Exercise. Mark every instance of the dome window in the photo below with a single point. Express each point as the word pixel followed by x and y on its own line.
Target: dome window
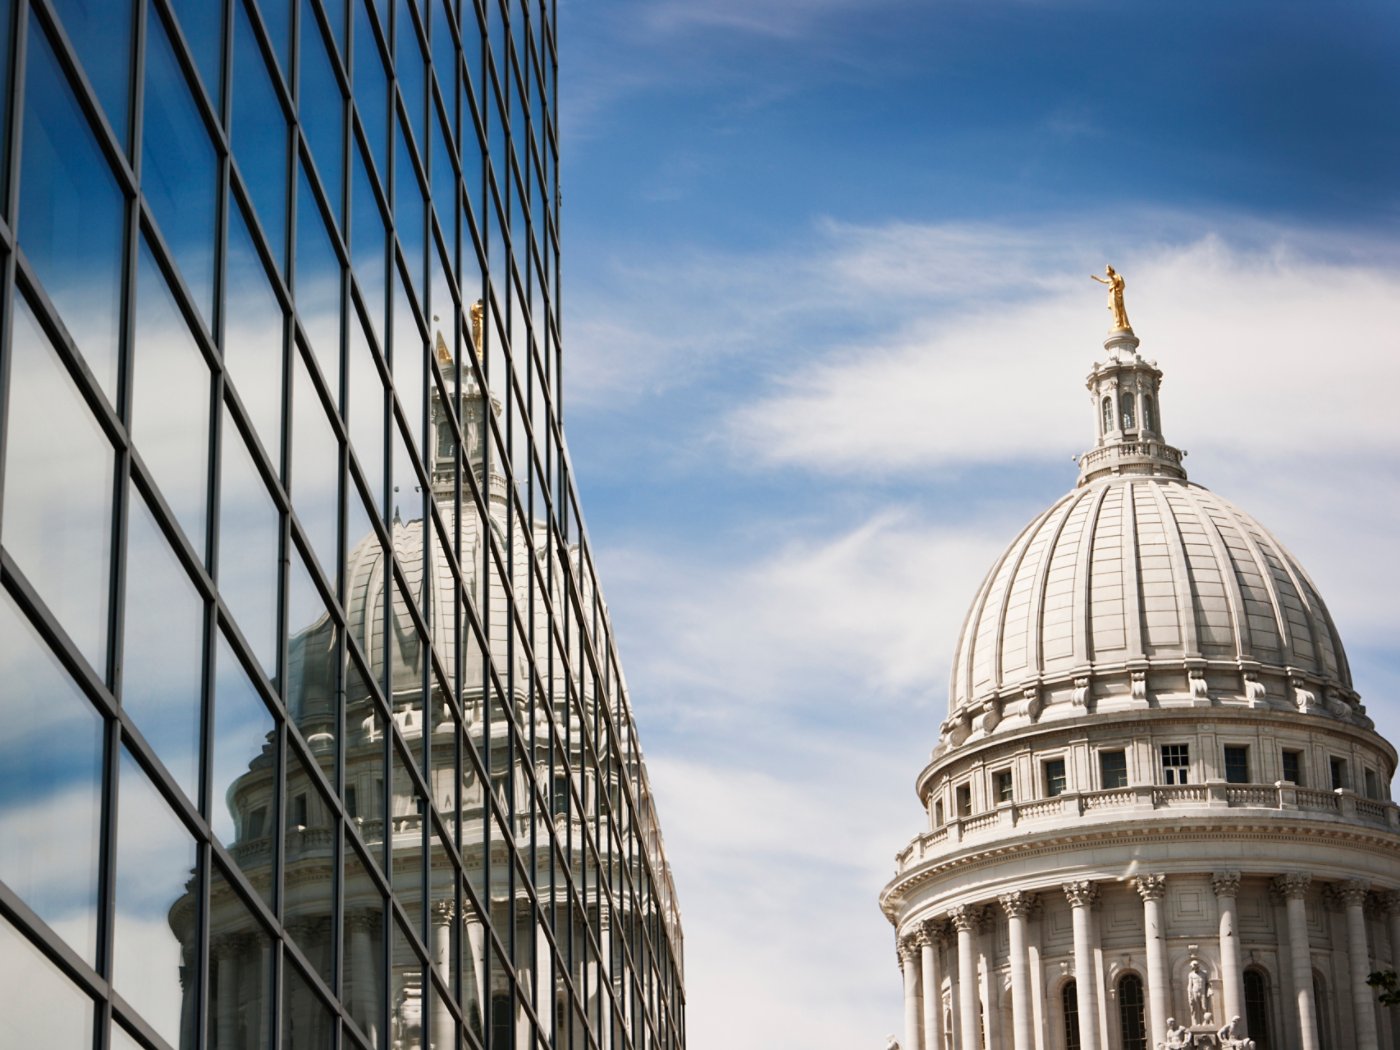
pixel 1132 1022
pixel 1069 1003
pixel 1236 765
pixel 1055 780
pixel 1126 402
pixel 1338 768
pixel 1149 414
pixel 1176 763
pixel 1293 767
pixel 1001 786
pixel 964 797
pixel 1113 770
pixel 1256 1006
pixel 1107 414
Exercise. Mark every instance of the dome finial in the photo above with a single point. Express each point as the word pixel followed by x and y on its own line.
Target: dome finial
pixel 1115 282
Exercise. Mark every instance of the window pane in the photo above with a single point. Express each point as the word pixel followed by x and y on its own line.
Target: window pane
pixel 322 108
pixel 101 34
pixel 1237 765
pixel 315 471
pixel 178 173
pixel 170 401
pixel 371 88
pixel 202 22
pixel 367 245
pixel 163 645
pixel 39 1006
pixel 67 196
pixel 58 490
pixel 240 973
pixel 250 532
pixel 366 416
pixel 50 786
pixel 407 362
pixel 155 897
pixel 253 335
pixel 313 656
pixel 318 286
pixel 1113 769
pixel 259 132
pixel 1055 782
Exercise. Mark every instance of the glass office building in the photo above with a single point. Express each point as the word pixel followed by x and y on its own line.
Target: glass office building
pixel 314 733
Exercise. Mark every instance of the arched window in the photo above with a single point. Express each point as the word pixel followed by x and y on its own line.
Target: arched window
pixel 1256 1007
pixel 1324 1012
pixel 1132 1024
pixel 1107 414
pixel 1126 403
pixel 1149 414
pixel 1069 1000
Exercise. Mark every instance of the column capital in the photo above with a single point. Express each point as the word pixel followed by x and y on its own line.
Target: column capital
pixel 1151 887
pixel 1017 905
pixel 1352 892
pixel 908 948
pixel 966 918
pixel 1226 883
pixel 363 920
pixel 1082 893
pixel 1388 901
pixel 1293 885
pixel 443 912
pixel 936 930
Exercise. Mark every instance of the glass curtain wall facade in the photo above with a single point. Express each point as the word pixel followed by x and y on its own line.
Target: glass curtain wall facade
pixel 314 729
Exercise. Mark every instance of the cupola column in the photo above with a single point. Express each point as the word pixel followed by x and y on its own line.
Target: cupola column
pixel 1081 896
pixel 967 920
pixel 1152 888
pixel 1352 893
pixel 1017 907
pixel 1294 889
pixel 931 937
pixel 909 954
pixel 1227 887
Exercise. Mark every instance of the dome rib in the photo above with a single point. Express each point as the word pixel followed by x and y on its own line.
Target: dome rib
pixel 1261 565
pixel 1083 637
pixel 1239 622
pixel 1183 583
pixel 1035 613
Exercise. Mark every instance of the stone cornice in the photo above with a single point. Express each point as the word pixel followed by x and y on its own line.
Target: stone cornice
pixel 1210 829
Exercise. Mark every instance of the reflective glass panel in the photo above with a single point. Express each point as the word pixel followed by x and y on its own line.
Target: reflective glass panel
pixel 202 22
pixel 318 286
pixel 409 67
pixel 50 786
pixel 240 972
pixel 67 196
pixel 58 490
pixel 178 174
pixel 367 245
pixel 371 88
pixel 310 848
pixel 409 211
pixel 408 355
pixel 250 532
pixel 306 1022
pixel 101 34
pixel 39 1006
pixel 259 133
pixel 253 323
pixel 163 642
pixel 364 946
pixel 366 414
pixel 313 658
pixel 322 108
pixel 315 471
pixel 156 901
pixel 170 401
pixel 277 18
pixel 245 771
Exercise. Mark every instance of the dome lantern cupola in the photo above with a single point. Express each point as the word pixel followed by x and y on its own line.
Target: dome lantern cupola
pixel 1127 411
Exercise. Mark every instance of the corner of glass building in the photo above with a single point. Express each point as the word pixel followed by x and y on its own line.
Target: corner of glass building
pixel 316 730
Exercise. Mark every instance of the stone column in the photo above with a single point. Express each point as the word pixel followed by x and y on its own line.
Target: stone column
pixel 1352 893
pixel 364 1006
pixel 1017 906
pixel 475 993
pixel 226 950
pixel 443 1029
pixel 1082 895
pixel 910 951
pixel 1227 888
pixel 931 936
pixel 1152 889
pixel 1294 889
pixel 1390 904
pixel 967 919
pixel 988 981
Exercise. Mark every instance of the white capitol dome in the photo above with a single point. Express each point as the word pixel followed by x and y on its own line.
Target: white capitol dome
pixel 1157 802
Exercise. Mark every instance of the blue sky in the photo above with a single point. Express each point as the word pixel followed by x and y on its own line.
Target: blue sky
pixel 827 318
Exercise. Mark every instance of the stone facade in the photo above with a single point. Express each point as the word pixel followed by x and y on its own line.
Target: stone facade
pixel 1157 800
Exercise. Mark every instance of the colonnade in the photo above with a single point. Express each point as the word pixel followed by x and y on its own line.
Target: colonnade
pixel 967 928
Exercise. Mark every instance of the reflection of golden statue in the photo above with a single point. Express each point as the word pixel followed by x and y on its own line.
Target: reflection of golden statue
pixel 478 311
pixel 1114 280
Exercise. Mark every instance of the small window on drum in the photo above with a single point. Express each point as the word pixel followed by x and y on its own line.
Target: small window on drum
pixel 1055 780
pixel 1001 786
pixel 1126 402
pixel 1107 414
pixel 1113 769
pixel 963 794
pixel 1149 414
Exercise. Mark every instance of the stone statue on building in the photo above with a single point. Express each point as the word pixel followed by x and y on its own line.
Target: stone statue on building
pixel 891 1043
pixel 1198 995
pixel 1229 1040
pixel 1114 280
pixel 1178 1037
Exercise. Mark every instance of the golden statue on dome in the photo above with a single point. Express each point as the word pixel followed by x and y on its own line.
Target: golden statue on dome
pixel 1114 280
